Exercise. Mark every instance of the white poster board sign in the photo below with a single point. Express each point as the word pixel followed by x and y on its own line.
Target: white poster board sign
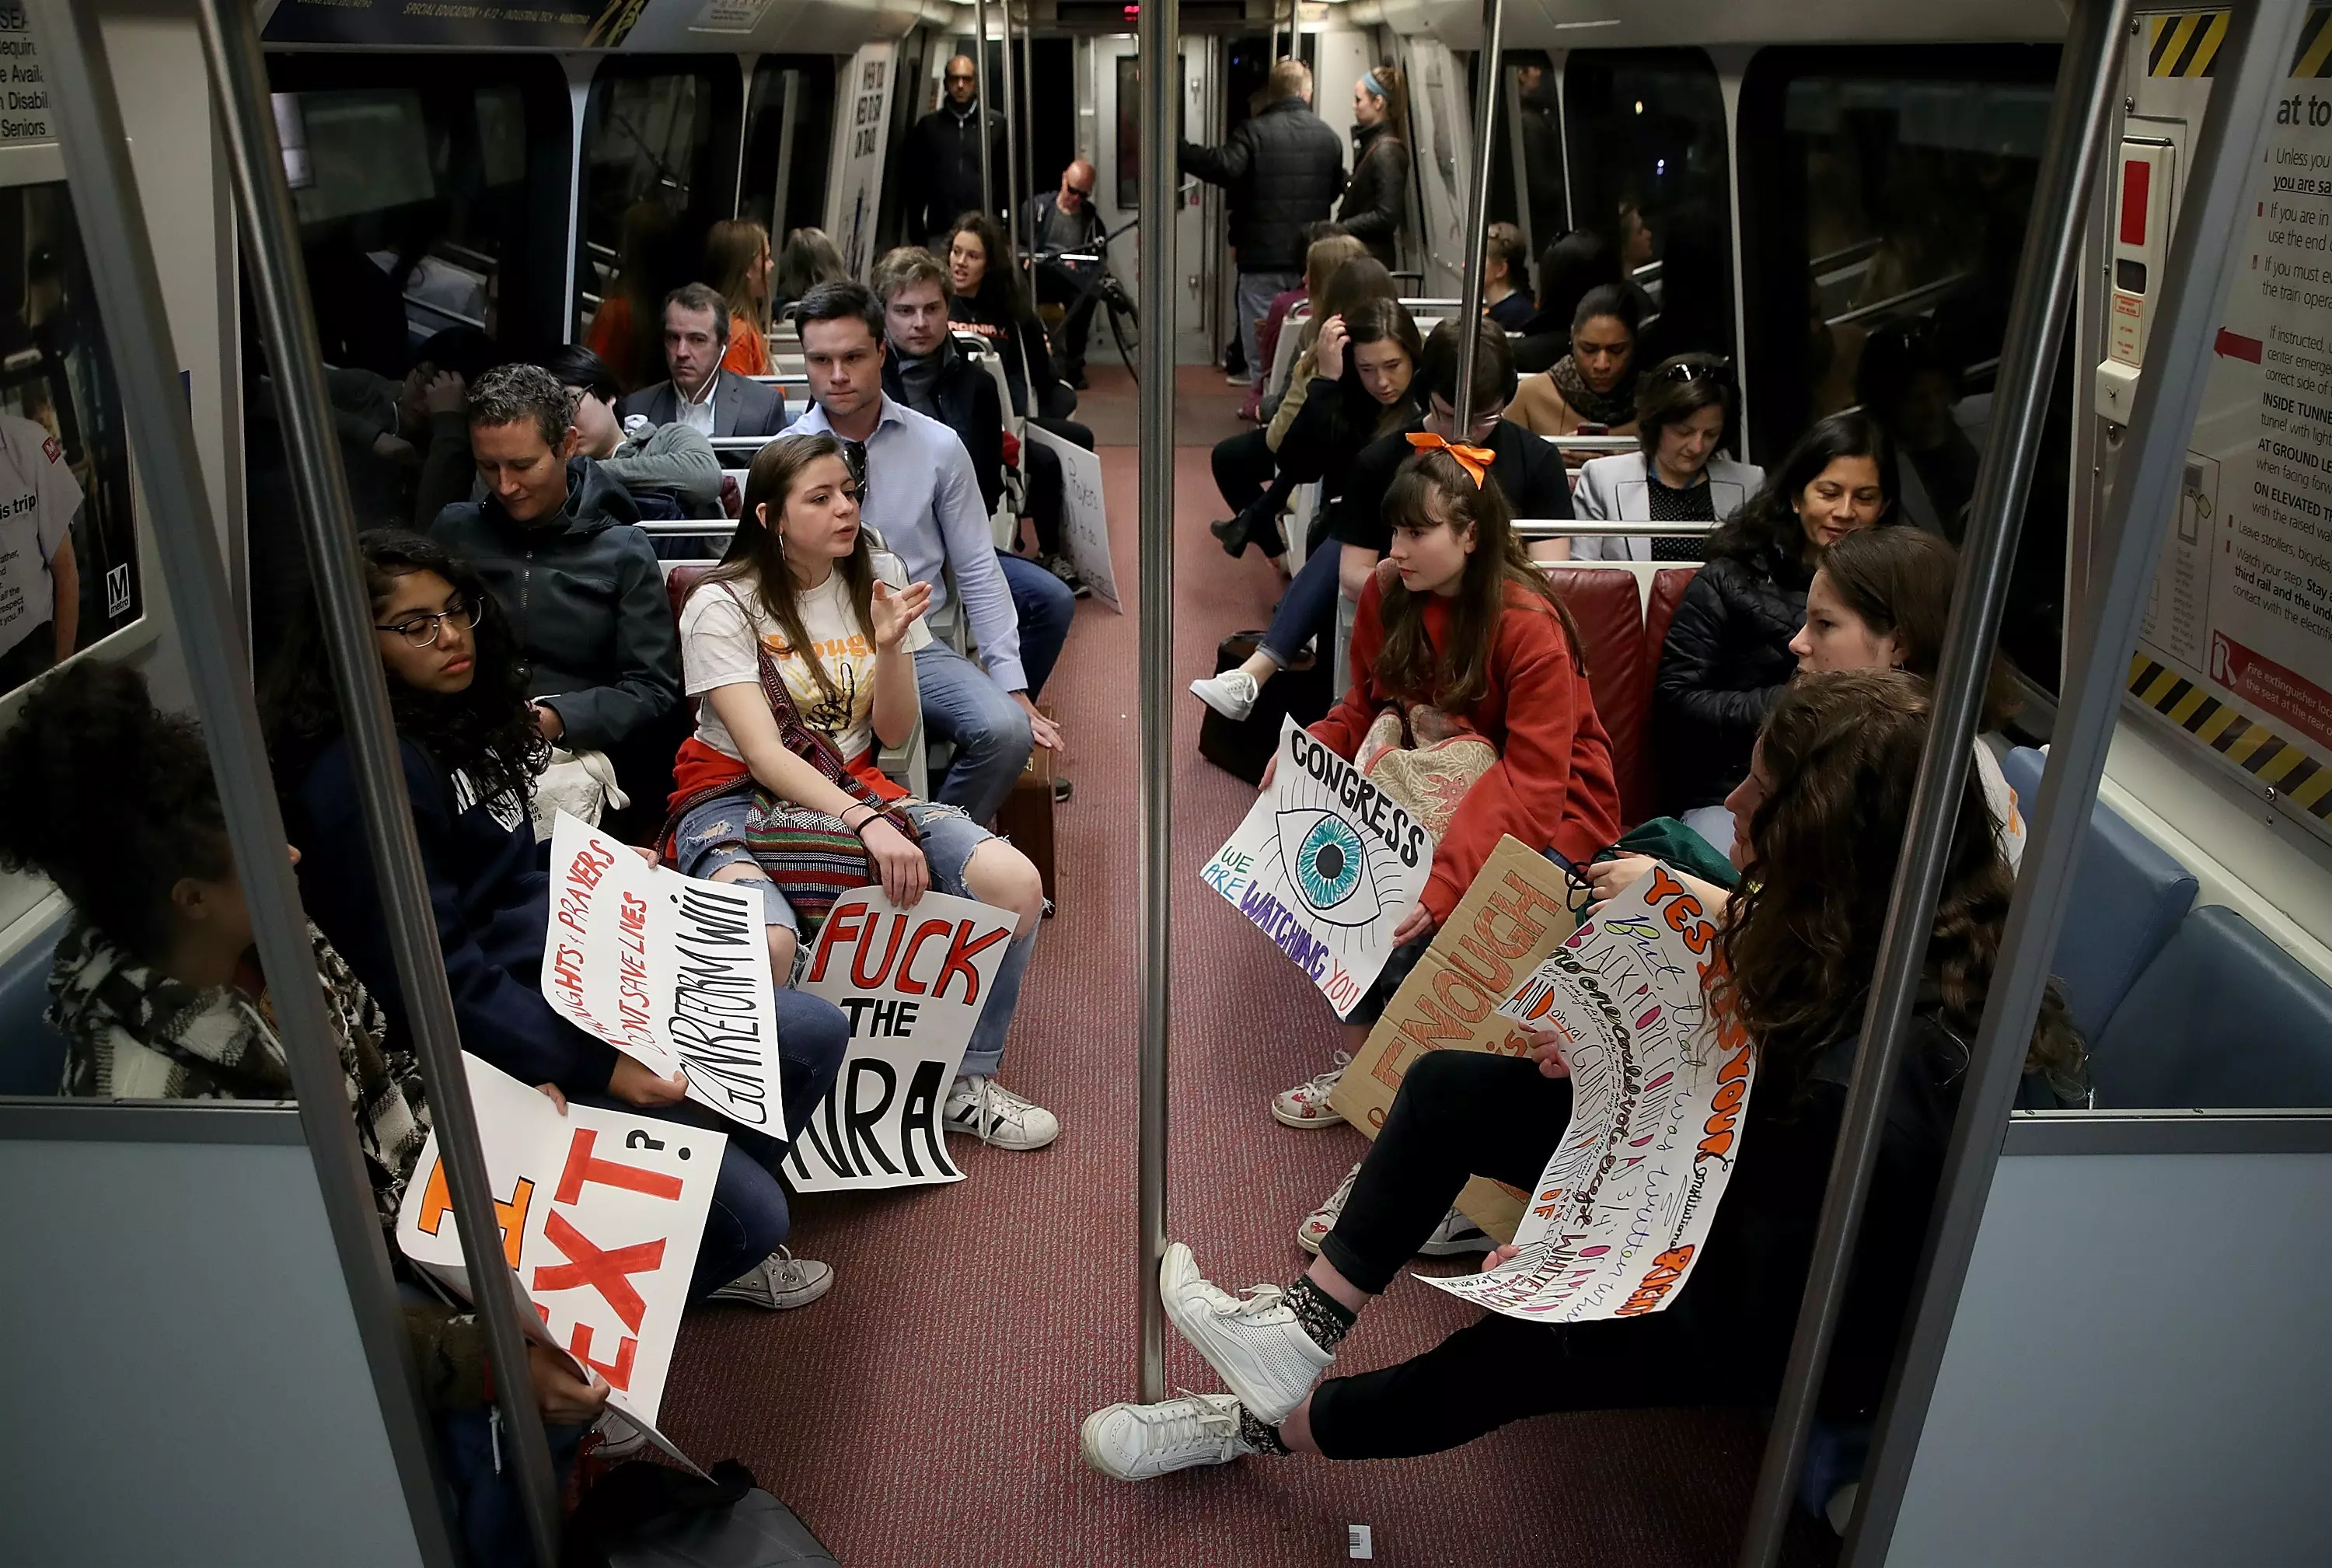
pixel 912 982
pixel 853 185
pixel 602 1212
pixel 672 970
pixel 1085 520
pixel 1658 1084
pixel 1326 865
pixel 2235 647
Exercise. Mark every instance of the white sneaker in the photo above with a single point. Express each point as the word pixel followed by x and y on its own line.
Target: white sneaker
pixel 1231 693
pixel 779 1282
pixel 1323 1219
pixel 983 1108
pixel 618 1439
pixel 1455 1235
pixel 1306 1104
pixel 1256 1345
pixel 1135 1442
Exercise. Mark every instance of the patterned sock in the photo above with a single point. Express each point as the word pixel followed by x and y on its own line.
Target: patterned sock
pixel 1324 1318
pixel 1261 1438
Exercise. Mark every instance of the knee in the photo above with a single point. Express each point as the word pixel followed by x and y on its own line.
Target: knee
pixel 1001 734
pixel 783 944
pixel 816 1033
pixel 1435 1080
pixel 1000 874
pixel 1055 602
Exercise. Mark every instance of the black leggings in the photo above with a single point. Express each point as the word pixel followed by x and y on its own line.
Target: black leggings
pixel 1462 1113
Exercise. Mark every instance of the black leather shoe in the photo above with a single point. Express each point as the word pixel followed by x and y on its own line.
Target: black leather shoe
pixel 1232 531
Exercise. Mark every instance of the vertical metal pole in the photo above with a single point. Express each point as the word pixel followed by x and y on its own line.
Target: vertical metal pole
pixel 1487 71
pixel 1011 139
pixel 2261 39
pixel 2079 120
pixel 1156 36
pixel 278 287
pixel 1028 165
pixel 176 519
pixel 979 118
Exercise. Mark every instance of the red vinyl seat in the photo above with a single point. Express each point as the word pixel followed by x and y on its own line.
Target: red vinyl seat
pixel 1669 584
pixel 1605 605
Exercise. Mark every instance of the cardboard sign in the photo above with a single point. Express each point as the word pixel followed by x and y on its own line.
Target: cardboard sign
pixel 1326 865
pixel 1513 916
pixel 669 970
pixel 602 1212
pixel 1085 520
pixel 1658 1081
pixel 912 982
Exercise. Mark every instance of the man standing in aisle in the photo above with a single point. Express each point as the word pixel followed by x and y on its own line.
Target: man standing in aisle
pixel 943 158
pixel 1285 169
pixel 920 494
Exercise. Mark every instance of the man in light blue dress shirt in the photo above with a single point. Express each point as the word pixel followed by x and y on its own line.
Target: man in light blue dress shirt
pixel 922 496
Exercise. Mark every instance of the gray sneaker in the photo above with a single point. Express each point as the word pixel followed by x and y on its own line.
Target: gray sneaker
pixel 779 1282
pixel 1060 567
pixel 1135 1442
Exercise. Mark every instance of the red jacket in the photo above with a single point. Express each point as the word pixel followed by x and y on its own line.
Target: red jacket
pixel 1553 784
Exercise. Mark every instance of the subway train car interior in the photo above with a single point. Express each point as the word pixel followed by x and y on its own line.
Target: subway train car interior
pixel 1198 781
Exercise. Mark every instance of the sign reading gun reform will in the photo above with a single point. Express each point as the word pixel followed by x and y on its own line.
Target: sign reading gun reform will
pixel 1658 1081
pixel 912 982
pixel 671 970
pixel 1326 865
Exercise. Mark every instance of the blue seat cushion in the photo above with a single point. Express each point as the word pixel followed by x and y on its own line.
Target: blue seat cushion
pixel 32 1054
pixel 2128 897
pixel 2224 1020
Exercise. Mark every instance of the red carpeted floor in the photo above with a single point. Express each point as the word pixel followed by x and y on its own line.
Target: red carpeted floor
pixel 926 1411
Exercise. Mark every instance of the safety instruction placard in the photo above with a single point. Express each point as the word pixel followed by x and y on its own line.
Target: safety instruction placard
pixel 672 970
pixel 1660 1081
pixel 1326 865
pixel 2236 642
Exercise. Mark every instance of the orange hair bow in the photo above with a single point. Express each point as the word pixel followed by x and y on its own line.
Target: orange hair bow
pixel 1474 460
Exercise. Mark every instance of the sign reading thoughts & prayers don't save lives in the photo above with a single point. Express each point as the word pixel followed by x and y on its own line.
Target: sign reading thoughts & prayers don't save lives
pixel 1326 865
pixel 1659 1079
pixel 602 1213
pixel 672 970
pixel 912 982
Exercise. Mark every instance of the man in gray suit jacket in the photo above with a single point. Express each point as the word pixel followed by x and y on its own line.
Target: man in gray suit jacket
pixel 702 394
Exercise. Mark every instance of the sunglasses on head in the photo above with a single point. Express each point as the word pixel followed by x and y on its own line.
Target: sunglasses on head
pixel 1688 372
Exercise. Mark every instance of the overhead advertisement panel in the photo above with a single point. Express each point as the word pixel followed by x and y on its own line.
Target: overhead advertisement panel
pixel 2236 645
pixel 461 23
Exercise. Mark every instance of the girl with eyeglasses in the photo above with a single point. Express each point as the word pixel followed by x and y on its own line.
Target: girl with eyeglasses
pixel 1684 419
pixel 469 746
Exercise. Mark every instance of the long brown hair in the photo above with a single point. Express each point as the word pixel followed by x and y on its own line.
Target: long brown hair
pixel 1898 582
pixel 1840 752
pixel 732 260
pixel 757 553
pixel 1408 666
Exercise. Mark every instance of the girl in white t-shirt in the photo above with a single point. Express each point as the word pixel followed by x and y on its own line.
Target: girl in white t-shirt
pixel 802 596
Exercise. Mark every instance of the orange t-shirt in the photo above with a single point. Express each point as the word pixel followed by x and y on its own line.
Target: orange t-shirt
pixel 749 348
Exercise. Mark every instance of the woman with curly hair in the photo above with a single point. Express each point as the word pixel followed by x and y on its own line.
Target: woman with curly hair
pixel 467 738
pixel 1822 816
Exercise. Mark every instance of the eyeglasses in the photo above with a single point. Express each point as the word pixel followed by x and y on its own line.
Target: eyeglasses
pixel 1686 372
pixel 420 631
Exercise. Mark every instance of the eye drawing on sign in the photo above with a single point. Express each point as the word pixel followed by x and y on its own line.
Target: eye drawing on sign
pixel 1328 866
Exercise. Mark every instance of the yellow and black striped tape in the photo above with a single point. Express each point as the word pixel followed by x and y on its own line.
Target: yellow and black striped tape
pixel 2184 44
pixel 2313 57
pixel 2254 748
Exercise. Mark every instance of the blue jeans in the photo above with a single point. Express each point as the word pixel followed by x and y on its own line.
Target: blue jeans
pixel 749 1217
pixel 486 1502
pixel 1256 292
pixel 1308 609
pixel 950 839
pixel 1046 605
pixel 962 704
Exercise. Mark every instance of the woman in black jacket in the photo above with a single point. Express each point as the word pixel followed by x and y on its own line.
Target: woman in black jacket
pixel 1376 203
pixel 1727 655
pixel 985 298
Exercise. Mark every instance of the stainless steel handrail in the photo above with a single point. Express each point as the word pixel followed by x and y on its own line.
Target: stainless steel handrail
pixel 178 523
pixel 1156 31
pixel 1011 141
pixel 1897 304
pixel 1477 216
pixel 270 244
pixel 2260 43
pixel 980 111
pixel 1534 528
pixel 2088 83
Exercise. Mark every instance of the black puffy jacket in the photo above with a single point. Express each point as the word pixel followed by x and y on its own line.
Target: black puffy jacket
pixel 1283 170
pixel 1377 202
pixel 943 165
pixel 1727 659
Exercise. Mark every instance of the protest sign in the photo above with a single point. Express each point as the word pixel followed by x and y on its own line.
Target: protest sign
pixel 669 970
pixel 912 982
pixel 1326 865
pixel 601 1211
pixel 1658 1081
pixel 1085 521
pixel 1513 915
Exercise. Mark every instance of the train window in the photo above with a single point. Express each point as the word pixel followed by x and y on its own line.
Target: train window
pixel 1129 125
pixel 787 115
pixel 1885 194
pixel 660 139
pixel 1527 189
pixel 1645 131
